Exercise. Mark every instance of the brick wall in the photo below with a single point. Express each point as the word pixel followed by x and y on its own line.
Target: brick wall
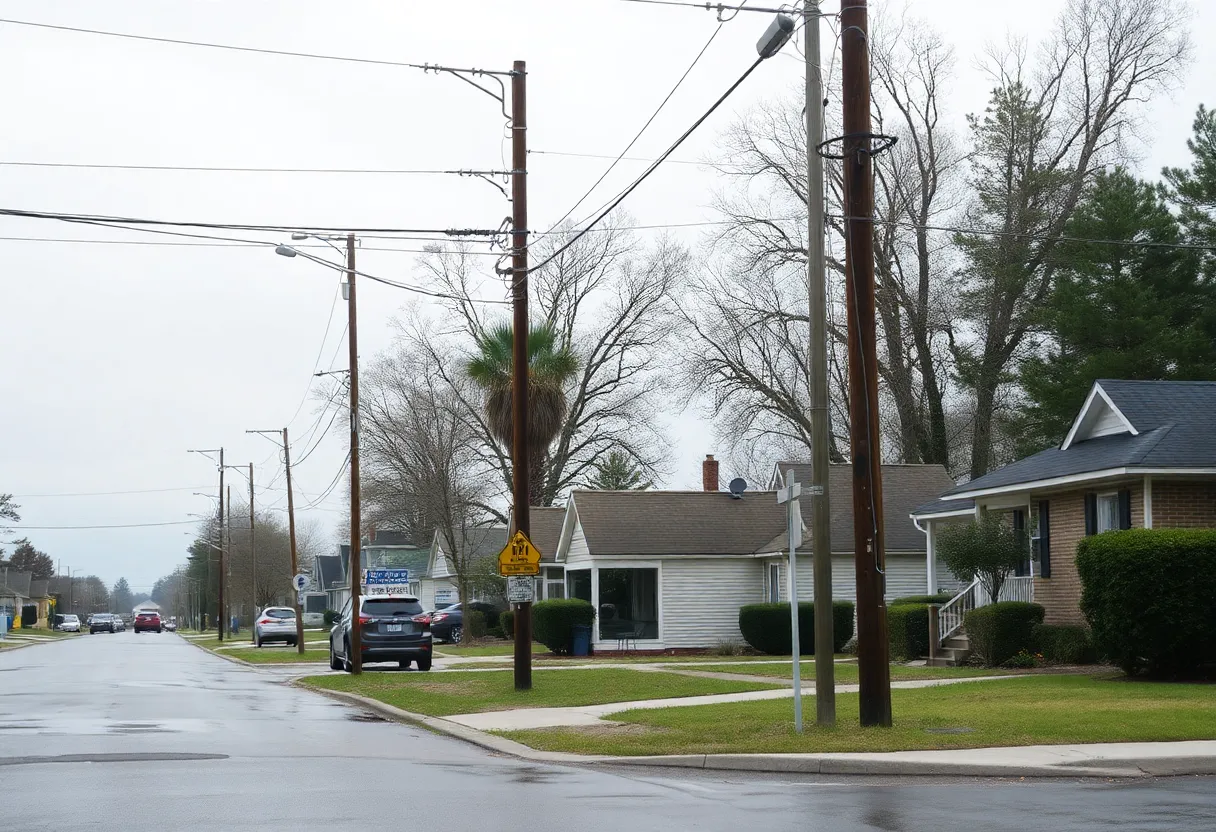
pixel 1060 594
pixel 1178 505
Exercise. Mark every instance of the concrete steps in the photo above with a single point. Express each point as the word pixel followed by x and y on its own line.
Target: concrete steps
pixel 953 652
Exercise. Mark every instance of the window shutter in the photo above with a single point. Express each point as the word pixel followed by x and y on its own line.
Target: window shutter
pixel 1125 509
pixel 1019 533
pixel 1091 514
pixel 1044 540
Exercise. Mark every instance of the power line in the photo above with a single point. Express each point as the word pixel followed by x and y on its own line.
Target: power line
pixel 209 169
pixel 112 526
pixel 329 321
pixel 257 50
pixel 111 493
pixel 250 244
pixel 609 156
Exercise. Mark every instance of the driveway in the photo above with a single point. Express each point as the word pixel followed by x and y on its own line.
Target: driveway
pixel 104 731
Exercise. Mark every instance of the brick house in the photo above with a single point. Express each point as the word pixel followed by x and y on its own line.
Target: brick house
pixel 1139 454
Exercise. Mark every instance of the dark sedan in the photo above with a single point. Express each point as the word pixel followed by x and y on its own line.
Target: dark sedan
pixel 447 624
pixel 102 622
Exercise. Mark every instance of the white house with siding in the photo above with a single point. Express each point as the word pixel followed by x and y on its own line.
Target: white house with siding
pixel 670 569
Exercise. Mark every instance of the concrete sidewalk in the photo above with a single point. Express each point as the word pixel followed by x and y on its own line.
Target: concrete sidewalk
pixel 522 719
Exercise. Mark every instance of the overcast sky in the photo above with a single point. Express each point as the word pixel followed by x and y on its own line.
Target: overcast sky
pixel 117 358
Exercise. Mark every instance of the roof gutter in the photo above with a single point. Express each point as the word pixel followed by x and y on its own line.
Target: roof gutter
pixel 1076 479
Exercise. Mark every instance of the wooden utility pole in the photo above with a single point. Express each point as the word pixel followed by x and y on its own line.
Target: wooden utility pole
pixel 869 557
pixel 519 354
pixel 253 565
pixel 225 564
pixel 356 639
pixel 821 517
pixel 291 535
pixel 220 599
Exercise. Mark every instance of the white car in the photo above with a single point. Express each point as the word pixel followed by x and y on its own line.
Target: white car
pixel 275 624
pixel 70 624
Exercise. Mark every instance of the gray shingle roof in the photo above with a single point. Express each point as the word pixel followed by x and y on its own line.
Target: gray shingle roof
pixel 38 589
pixel 18 582
pixel 1176 430
pixel 331 571
pixel 546 529
pixel 939 506
pixel 712 523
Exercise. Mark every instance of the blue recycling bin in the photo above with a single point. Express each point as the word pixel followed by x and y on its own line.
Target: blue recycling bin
pixel 580 640
pixel 236 624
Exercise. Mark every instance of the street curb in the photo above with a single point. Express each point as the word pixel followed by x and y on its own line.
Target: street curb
pixel 848 764
pixel 255 665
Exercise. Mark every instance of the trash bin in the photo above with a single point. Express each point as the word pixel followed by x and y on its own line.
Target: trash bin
pixel 236 623
pixel 580 640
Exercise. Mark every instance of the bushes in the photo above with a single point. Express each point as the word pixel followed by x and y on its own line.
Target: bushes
pixel 908 630
pixel 1147 594
pixel 507 622
pixel 941 598
pixel 1064 644
pixel 331 617
pixel 766 627
pixel 553 621
pixel 475 624
pixel 998 632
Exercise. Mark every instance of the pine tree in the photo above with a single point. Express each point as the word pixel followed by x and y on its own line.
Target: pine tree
pixel 617 472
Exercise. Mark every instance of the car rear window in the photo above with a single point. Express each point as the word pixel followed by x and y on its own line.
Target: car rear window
pixel 391 607
pixel 280 613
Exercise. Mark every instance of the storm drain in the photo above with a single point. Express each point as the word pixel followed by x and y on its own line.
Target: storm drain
pixel 366 717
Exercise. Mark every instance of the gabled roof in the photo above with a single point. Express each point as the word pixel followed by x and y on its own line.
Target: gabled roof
pixel 546 529
pixel 38 589
pixel 16 582
pixel 388 537
pixel 480 542
pixel 1169 425
pixel 329 571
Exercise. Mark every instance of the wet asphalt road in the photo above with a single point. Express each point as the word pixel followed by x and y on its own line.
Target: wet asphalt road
pixel 124 731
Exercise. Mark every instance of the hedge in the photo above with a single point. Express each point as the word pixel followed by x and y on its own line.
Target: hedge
pixel 553 621
pixel 942 598
pixel 475 621
pixel 908 630
pixel 331 617
pixel 1149 599
pixel 1064 644
pixel 999 631
pixel 766 627
pixel 507 622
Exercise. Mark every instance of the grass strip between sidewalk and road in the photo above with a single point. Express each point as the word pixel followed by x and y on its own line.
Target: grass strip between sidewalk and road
pixel 444 694
pixel 846 674
pixel 503 648
pixel 1036 710
pixel 276 655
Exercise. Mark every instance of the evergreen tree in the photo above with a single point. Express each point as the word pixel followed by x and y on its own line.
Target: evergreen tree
pixel 120 596
pixel 1193 189
pixel 28 559
pixel 1120 308
pixel 617 472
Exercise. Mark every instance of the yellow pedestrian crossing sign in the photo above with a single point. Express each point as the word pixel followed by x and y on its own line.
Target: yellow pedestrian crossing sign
pixel 519 557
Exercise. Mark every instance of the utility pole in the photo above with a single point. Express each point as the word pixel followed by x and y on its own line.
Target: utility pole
pixel 874 671
pixel 519 353
pixel 221 624
pixel 253 565
pixel 356 637
pixel 291 534
pixel 821 518
pixel 226 568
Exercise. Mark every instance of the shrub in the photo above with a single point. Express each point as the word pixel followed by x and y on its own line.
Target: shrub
pixel 729 647
pixel 475 624
pixel 494 632
pixel 1022 659
pixel 507 622
pixel 1147 594
pixel 999 631
pixel 908 630
pixel 766 627
pixel 553 621
pixel 940 598
pixel 331 617
pixel 1064 644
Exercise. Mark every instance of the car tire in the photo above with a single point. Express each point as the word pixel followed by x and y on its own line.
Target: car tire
pixel 334 664
pixel 346 663
pixel 404 664
pixel 454 635
pixel 257 642
pixel 424 664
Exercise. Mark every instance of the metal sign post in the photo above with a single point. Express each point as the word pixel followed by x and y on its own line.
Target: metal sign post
pixel 793 526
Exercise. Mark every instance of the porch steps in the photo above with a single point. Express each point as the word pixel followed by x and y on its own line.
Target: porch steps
pixel 953 652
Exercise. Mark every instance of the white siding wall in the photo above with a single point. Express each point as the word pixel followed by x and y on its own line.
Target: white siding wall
pixel 905 576
pixel 578 556
pixel 441 565
pixel 701 599
pixel 426 595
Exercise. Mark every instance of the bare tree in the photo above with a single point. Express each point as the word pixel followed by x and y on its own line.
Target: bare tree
pixel 1044 135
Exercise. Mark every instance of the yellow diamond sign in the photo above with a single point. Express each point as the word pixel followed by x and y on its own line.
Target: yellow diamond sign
pixel 519 557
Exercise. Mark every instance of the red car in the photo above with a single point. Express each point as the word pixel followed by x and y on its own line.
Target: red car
pixel 147 621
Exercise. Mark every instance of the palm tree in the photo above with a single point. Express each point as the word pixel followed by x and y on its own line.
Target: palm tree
pixel 551 366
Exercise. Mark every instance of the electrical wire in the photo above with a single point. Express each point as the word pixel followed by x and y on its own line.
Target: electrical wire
pixel 612 204
pixel 208 169
pixel 110 526
pixel 229 245
pixel 110 493
pixel 329 321
pixel 609 156
pixel 257 50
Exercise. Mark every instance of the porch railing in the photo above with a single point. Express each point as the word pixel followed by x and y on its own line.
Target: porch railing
pixel 951 614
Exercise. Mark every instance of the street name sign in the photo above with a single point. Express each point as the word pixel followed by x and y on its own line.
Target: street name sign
pixel 519 557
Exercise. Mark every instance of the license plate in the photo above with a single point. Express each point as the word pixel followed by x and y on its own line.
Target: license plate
pixel 394 628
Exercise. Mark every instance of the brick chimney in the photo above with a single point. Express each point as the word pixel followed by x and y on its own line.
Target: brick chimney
pixel 709 473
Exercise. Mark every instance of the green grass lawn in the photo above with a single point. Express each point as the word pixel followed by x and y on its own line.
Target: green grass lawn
pixel 846 674
pixel 276 655
pixel 442 694
pixel 1029 711
pixel 493 648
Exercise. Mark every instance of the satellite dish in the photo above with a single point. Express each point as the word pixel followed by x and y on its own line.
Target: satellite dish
pixel 737 486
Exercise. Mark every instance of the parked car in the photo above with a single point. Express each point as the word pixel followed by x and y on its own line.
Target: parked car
pixel 447 624
pixel 275 624
pixel 388 632
pixel 101 622
pixel 171 625
pixel 148 622
pixel 120 625
pixel 70 624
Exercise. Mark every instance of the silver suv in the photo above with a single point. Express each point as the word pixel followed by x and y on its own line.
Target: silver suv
pixel 275 624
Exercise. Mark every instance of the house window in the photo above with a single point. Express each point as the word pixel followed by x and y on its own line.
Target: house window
pixel 1108 512
pixel 555 583
pixel 578 584
pixel 629 603
pixel 774 583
